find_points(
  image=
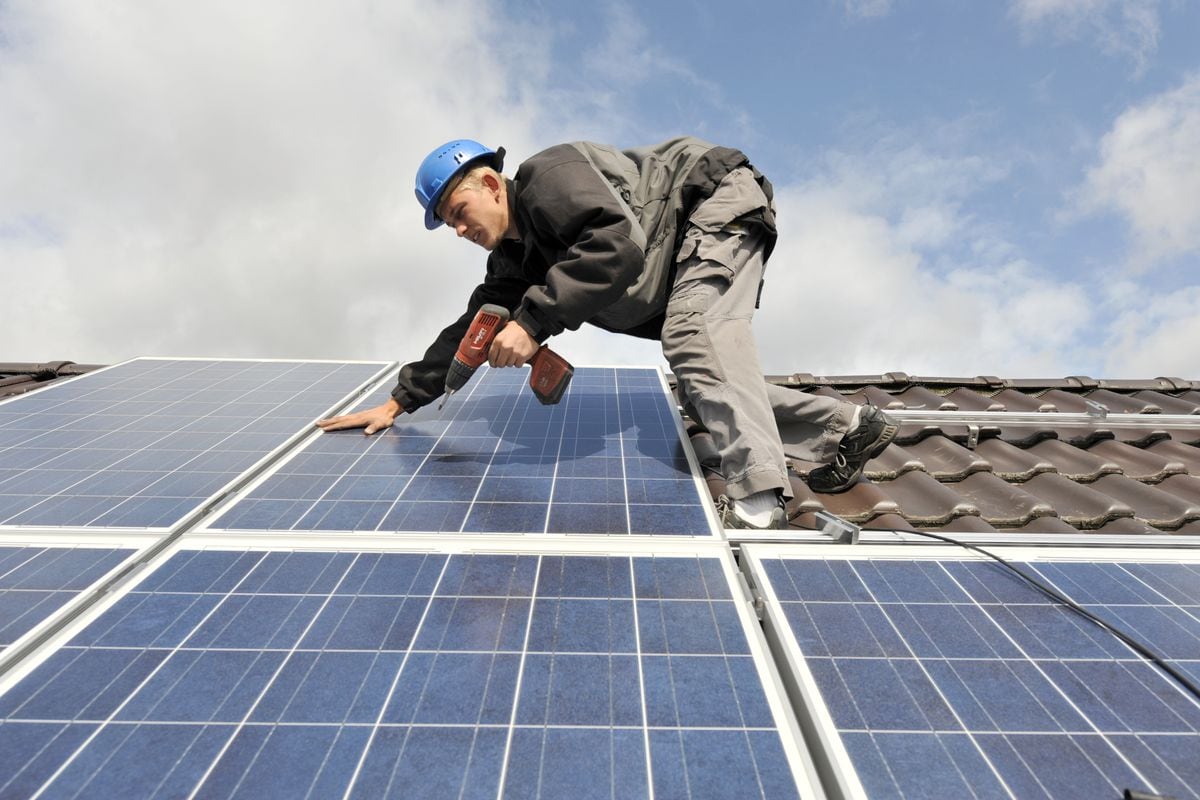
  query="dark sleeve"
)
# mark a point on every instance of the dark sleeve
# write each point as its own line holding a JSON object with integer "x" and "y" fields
{"x": 422, "y": 382}
{"x": 573, "y": 206}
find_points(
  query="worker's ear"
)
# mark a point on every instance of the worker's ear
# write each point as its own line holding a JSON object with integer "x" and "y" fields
{"x": 492, "y": 183}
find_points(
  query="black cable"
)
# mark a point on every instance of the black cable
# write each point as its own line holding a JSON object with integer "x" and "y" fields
{"x": 1058, "y": 597}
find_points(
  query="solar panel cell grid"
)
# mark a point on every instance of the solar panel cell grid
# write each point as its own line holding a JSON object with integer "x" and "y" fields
{"x": 607, "y": 460}
{"x": 142, "y": 444}
{"x": 403, "y": 675}
{"x": 37, "y": 581}
{"x": 955, "y": 678}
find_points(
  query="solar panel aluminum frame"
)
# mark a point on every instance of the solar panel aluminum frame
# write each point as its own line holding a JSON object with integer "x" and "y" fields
{"x": 833, "y": 764}
{"x": 800, "y": 763}
{"x": 211, "y": 524}
{"x": 134, "y": 535}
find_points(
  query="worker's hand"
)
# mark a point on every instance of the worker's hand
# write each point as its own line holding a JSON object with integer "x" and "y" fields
{"x": 512, "y": 347}
{"x": 373, "y": 419}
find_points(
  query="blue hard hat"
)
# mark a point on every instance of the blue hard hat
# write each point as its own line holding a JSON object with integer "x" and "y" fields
{"x": 443, "y": 164}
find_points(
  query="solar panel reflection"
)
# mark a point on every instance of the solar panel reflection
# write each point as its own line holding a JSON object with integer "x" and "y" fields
{"x": 35, "y": 582}
{"x": 142, "y": 444}
{"x": 954, "y": 678}
{"x": 608, "y": 459}
{"x": 251, "y": 674}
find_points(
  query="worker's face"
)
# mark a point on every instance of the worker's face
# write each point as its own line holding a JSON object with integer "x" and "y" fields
{"x": 478, "y": 215}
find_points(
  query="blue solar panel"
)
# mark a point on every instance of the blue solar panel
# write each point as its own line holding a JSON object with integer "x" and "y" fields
{"x": 144, "y": 443}
{"x": 608, "y": 459}
{"x": 950, "y": 677}
{"x": 323, "y": 674}
{"x": 37, "y": 581}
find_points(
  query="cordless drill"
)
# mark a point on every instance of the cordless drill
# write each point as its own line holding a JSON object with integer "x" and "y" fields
{"x": 549, "y": 378}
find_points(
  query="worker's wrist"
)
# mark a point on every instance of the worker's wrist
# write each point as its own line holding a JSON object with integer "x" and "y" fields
{"x": 393, "y": 407}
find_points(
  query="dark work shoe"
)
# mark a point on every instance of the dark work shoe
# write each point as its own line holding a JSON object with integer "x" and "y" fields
{"x": 731, "y": 520}
{"x": 874, "y": 433}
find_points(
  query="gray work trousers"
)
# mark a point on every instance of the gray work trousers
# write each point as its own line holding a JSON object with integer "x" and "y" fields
{"x": 708, "y": 342}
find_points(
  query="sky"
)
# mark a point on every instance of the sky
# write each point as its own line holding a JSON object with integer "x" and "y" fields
{"x": 964, "y": 188}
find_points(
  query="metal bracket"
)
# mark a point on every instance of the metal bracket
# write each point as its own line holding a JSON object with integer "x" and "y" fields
{"x": 838, "y": 529}
{"x": 972, "y": 436}
{"x": 1096, "y": 410}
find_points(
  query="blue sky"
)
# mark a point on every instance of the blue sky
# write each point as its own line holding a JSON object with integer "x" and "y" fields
{"x": 1004, "y": 188}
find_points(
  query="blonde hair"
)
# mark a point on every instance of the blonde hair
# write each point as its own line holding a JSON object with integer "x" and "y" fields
{"x": 471, "y": 179}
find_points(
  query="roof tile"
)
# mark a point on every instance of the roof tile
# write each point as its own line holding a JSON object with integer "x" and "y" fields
{"x": 1137, "y": 463}
{"x": 1123, "y": 403}
{"x": 1072, "y": 462}
{"x": 1161, "y": 509}
{"x": 1076, "y": 504}
{"x": 892, "y": 463}
{"x": 1010, "y": 462}
{"x": 862, "y": 502}
{"x": 924, "y": 501}
{"x": 1126, "y": 526}
{"x": 1168, "y": 403}
{"x": 1003, "y": 505}
{"x": 1175, "y": 450}
{"x": 1049, "y": 525}
{"x": 945, "y": 460}
{"x": 965, "y": 524}
{"x": 1012, "y": 400}
{"x": 969, "y": 400}
{"x": 921, "y": 398}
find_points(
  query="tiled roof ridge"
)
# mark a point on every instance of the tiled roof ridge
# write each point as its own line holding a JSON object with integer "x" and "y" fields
{"x": 984, "y": 384}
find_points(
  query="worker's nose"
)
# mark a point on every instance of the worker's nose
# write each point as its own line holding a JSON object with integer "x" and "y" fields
{"x": 461, "y": 229}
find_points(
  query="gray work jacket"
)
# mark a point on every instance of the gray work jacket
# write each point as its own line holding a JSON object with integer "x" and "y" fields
{"x": 598, "y": 233}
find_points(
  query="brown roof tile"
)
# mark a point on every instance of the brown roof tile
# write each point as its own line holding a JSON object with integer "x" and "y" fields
{"x": 1072, "y": 462}
{"x": 923, "y": 501}
{"x": 1076, "y": 504}
{"x": 879, "y": 397}
{"x": 970, "y": 400}
{"x": 892, "y": 463}
{"x": 1137, "y": 463}
{"x": 1175, "y": 450}
{"x": 1062, "y": 402}
{"x": 1050, "y": 525}
{"x": 862, "y": 502}
{"x": 965, "y": 524}
{"x": 1160, "y": 509}
{"x": 1012, "y": 463}
{"x": 1123, "y": 403}
{"x": 1012, "y": 400}
{"x": 1168, "y": 403}
{"x": 1125, "y": 526}
{"x": 920, "y": 397}
{"x": 1185, "y": 486}
{"x": 888, "y": 522}
{"x": 945, "y": 460}
{"x": 1003, "y": 505}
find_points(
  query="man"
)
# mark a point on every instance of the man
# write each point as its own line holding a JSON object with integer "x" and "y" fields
{"x": 665, "y": 242}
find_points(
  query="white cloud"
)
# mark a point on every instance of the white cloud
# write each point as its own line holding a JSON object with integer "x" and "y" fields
{"x": 224, "y": 179}
{"x": 1149, "y": 173}
{"x": 1128, "y": 28}
{"x": 848, "y": 294}
{"x": 1152, "y": 330}
{"x": 867, "y": 9}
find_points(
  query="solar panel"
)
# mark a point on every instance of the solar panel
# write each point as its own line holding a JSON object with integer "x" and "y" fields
{"x": 35, "y": 582}
{"x": 242, "y": 673}
{"x": 608, "y": 459}
{"x": 144, "y": 443}
{"x": 945, "y": 675}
